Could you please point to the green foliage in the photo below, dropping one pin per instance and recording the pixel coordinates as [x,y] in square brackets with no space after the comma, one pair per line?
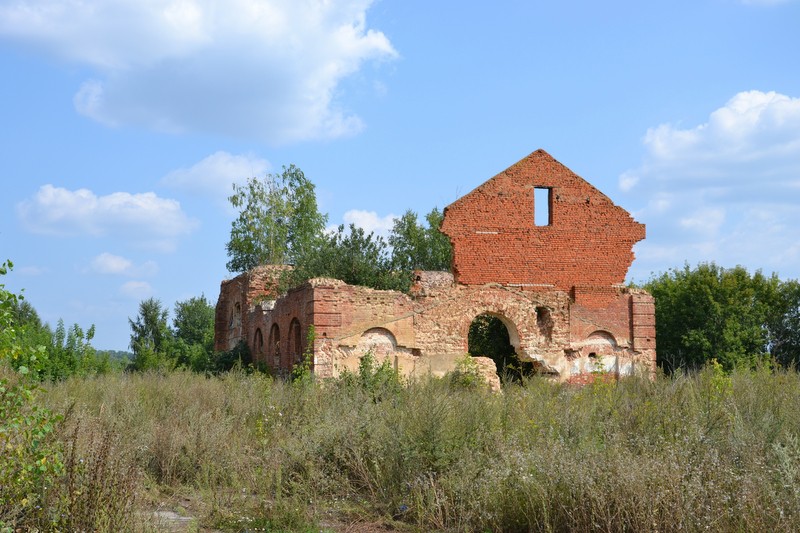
[30,461]
[711,312]
[238,358]
[15,350]
[352,256]
[303,372]
[785,328]
[278,219]
[488,337]
[151,337]
[279,223]
[417,247]
[193,328]
[70,353]
[189,344]
[378,381]
[467,375]
[54,354]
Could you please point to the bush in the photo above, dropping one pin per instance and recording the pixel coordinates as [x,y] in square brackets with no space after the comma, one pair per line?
[32,462]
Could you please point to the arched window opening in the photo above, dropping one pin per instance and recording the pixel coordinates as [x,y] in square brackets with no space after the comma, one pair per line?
[489,337]
[236,316]
[274,347]
[295,340]
[258,344]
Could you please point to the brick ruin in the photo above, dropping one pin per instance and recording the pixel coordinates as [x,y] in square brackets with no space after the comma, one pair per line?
[555,280]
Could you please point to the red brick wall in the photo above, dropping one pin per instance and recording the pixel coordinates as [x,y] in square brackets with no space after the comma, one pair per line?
[589,241]
[556,287]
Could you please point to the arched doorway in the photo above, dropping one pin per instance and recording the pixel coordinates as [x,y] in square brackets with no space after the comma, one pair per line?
[489,336]
[274,346]
[258,346]
[295,338]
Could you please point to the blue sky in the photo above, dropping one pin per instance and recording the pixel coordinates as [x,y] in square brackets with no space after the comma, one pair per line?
[123,124]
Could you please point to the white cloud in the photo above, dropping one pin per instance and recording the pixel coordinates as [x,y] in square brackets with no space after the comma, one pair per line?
[725,190]
[266,69]
[143,218]
[214,175]
[107,263]
[137,290]
[370,221]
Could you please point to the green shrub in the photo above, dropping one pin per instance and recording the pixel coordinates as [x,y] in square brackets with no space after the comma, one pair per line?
[32,461]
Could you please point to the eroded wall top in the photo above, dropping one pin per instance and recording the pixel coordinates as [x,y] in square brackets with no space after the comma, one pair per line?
[582,240]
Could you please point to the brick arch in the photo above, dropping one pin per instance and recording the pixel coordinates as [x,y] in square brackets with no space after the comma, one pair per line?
[512,309]
[533,324]
[274,346]
[236,315]
[258,345]
[295,341]
[513,332]
[599,343]
[381,341]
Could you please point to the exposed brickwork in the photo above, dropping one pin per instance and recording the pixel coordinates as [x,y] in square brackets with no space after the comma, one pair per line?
[588,242]
[557,288]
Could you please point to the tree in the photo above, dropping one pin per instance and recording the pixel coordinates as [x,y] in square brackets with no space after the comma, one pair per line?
[151,338]
[63,352]
[785,328]
[715,313]
[70,353]
[31,457]
[278,220]
[352,256]
[194,333]
[415,246]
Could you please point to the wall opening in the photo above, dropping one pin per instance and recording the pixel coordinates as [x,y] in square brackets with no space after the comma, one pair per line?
[295,348]
[258,344]
[542,206]
[490,337]
[236,316]
[274,347]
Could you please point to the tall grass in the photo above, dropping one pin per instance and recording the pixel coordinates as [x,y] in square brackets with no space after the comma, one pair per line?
[705,452]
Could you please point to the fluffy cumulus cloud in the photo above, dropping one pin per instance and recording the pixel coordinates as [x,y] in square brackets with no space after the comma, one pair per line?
[214,175]
[107,263]
[370,221]
[266,69]
[145,218]
[725,190]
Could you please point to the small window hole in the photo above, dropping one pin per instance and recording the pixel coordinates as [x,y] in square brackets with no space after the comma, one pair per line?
[542,203]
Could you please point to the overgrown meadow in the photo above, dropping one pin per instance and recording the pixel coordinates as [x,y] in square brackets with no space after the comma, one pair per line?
[238,452]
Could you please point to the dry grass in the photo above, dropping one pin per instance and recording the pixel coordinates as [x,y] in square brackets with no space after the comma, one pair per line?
[706,452]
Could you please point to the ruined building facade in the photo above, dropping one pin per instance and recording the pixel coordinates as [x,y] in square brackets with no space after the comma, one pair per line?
[554,279]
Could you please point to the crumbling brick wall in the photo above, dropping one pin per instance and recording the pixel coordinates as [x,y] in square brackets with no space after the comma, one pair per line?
[557,288]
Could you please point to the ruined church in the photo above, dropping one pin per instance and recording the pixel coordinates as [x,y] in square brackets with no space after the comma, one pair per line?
[554,278]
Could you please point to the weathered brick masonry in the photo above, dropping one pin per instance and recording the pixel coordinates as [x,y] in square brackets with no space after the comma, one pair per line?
[556,286]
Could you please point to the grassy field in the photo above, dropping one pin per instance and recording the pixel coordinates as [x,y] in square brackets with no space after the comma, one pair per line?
[706,452]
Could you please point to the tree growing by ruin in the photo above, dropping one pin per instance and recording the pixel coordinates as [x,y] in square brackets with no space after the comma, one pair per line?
[278,219]
[418,246]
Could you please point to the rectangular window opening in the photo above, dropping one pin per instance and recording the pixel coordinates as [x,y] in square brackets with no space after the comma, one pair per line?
[542,206]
